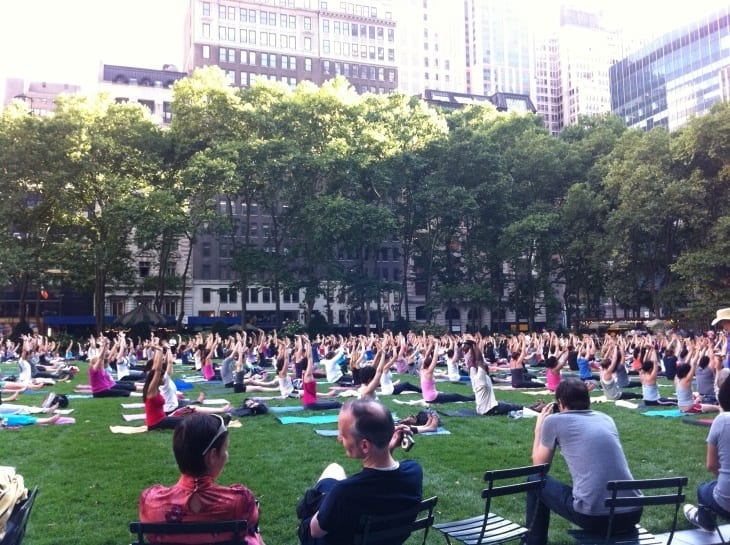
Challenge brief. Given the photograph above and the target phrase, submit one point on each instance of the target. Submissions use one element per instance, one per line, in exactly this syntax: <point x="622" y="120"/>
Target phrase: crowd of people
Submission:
<point x="622" y="367"/>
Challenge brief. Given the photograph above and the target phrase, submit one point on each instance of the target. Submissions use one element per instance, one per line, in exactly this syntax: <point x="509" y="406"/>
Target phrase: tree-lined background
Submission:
<point x="604" y="212"/>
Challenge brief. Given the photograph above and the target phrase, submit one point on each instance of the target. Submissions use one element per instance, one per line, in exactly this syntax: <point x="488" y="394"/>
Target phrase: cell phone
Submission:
<point x="556" y="408"/>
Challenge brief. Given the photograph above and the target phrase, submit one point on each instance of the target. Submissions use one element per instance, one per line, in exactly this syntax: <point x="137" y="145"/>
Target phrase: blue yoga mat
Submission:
<point x="288" y="409"/>
<point x="318" y="419"/>
<point x="667" y="413"/>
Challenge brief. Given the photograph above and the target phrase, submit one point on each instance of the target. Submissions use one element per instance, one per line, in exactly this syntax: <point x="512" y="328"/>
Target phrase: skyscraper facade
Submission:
<point x="294" y="40"/>
<point x="499" y="47"/>
<point x="678" y="76"/>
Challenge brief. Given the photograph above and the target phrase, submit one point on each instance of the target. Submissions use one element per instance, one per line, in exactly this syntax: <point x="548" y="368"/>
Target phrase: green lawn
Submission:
<point x="90" y="479"/>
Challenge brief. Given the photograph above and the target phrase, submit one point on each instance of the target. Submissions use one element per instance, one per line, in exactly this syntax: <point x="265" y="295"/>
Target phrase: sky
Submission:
<point x="65" y="41"/>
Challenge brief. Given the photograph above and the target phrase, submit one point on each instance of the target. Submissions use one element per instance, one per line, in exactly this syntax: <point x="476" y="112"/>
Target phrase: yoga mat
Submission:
<point x="81" y="396"/>
<point x="132" y="417"/>
<point x="132" y="405"/>
<point x="318" y="419"/>
<point x="460" y="412"/>
<point x="671" y="413"/>
<point x="182" y="384"/>
<point x="416" y="402"/>
<point x="290" y="409"/>
<point x="127" y="430"/>
<point x="333" y="433"/>
<point x="698" y="421"/>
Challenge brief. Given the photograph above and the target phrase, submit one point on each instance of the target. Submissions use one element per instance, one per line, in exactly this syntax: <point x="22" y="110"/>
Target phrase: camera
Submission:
<point x="556" y="408"/>
<point x="407" y="442"/>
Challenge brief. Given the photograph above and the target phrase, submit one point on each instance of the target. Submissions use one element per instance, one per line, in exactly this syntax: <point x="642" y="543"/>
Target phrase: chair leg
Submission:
<point x="722" y="538"/>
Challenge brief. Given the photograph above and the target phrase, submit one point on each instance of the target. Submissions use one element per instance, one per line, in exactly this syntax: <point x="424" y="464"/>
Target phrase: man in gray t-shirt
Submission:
<point x="590" y="444"/>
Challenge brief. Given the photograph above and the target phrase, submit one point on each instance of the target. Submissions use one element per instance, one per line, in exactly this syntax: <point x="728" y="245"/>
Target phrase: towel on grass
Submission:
<point x="333" y="433"/>
<point x="132" y="417"/>
<point x="128" y="430"/>
<point x="666" y="413"/>
<point x="205" y="402"/>
<point x="416" y="402"/>
<point x="317" y="419"/>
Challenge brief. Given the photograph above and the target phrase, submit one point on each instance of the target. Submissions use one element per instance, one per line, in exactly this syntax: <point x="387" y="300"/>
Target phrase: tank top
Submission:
<point x="610" y="388"/>
<point x="553" y="379"/>
<point x="650" y="392"/>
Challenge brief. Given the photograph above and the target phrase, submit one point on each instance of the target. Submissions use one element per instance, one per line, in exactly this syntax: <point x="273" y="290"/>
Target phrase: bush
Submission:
<point x="290" y="329"/>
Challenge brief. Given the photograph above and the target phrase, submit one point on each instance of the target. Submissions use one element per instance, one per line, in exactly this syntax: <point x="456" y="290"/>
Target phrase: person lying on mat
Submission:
<point x="331" y="511"/>
<point x="200" y="444"/>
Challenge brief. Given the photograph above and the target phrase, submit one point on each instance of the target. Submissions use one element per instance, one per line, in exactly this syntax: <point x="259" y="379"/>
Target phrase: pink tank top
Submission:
<point x="428" y="388"/>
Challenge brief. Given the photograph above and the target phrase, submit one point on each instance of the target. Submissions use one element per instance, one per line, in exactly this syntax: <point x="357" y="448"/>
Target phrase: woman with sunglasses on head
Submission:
<point x="200" y="444"/>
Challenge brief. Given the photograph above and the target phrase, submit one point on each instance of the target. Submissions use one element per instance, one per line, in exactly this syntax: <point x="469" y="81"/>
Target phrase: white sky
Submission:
<point x="67" y="40"/>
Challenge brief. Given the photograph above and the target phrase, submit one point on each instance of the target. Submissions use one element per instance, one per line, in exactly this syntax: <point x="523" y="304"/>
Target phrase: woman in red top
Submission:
<point x="200" y="444"/>
<point x="154" y="403"/>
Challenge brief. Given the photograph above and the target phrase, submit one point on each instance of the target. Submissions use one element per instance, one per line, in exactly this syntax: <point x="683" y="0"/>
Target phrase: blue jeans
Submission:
<point x="558" y="497"/>
<point x="708" y="507"/>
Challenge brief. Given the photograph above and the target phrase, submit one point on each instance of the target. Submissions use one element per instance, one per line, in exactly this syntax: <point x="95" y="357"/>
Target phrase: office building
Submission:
<point x="293" y="41"/>
<point x="149" y="87"/>
<point x="572" y="62"/>
<point x="676" y="77"/>
<point x="39" y="96"/>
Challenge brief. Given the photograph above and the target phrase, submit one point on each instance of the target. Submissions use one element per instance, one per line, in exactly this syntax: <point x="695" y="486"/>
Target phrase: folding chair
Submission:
<point x="395" y="528"/>
<point x="490" y="528"/>
<point x="667" y="491"/>
<point x="236" y="527"/>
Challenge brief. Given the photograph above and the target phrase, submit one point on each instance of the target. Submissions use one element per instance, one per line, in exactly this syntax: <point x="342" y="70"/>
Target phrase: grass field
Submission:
<point x="90" y="479"/>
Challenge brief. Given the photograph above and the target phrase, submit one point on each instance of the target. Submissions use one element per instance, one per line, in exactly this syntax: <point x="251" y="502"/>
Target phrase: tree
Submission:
<point x="111" y="152"/>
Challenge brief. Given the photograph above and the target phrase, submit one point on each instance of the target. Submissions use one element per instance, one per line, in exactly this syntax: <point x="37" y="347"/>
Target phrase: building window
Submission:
<point x="307" y="43"/>
<point x="252" y="295"/>
<point x="291" y="296"/>
<point x="206" y="52"/>
<point x="266" y="295"/>
<point x="206" y="30"/>
<point x="169" y="307"/>
<point x="117" y="306"/>
<point x="144" y="269"/>
<point x="325" y="46"/>
<point x="325" y="25"/>
<point x="206" y="271"/>
<point x="167" y="112"/>
<point x="244" y="15"/>
<point x="223" y="295"/>
<point x="232" y="295"/>
<point x="206" y="9"/>
<point x="206" y="295"/>
<point x="342" y="317"/>
<point x="221" y="12"/>
<point x="264" y="58"/>
<point x="206" y="249"/>
<point x="231" y="13"/>
<point x="307" y="64"/>
<point x="307" y="23"/>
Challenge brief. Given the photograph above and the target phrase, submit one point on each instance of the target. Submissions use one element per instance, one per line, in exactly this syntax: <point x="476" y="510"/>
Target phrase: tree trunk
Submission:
<point x="184" y="286"/>
<point x="99" y="298"/>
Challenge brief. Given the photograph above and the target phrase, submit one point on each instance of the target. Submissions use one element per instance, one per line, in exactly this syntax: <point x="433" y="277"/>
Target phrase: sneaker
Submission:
<point x="692" y="514"/>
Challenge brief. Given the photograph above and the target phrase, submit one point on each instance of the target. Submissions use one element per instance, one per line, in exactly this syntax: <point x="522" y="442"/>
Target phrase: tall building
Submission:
<point x="499" y="47"/>
<point x="430" y="45"/>
<point x="294" y="40"/>
<point x="677" y="76"/>
<point x="149" y="87"/>
<point x="572" y="61"/>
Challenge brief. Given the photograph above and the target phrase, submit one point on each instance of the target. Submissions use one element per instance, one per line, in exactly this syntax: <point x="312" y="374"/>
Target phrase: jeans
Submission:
<point x="708" y="507"/>
<point x="558" y="497"/>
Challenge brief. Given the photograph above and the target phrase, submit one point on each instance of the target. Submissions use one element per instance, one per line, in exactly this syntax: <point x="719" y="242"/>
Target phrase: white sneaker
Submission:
<point x="692" y="514"/>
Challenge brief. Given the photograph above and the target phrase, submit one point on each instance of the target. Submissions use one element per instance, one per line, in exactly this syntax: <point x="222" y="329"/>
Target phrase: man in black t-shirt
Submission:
<point x="366" y="431"/>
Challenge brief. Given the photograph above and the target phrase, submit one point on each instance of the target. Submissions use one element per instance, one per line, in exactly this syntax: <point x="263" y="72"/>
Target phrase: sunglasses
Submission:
<point x="221" y="430"/>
